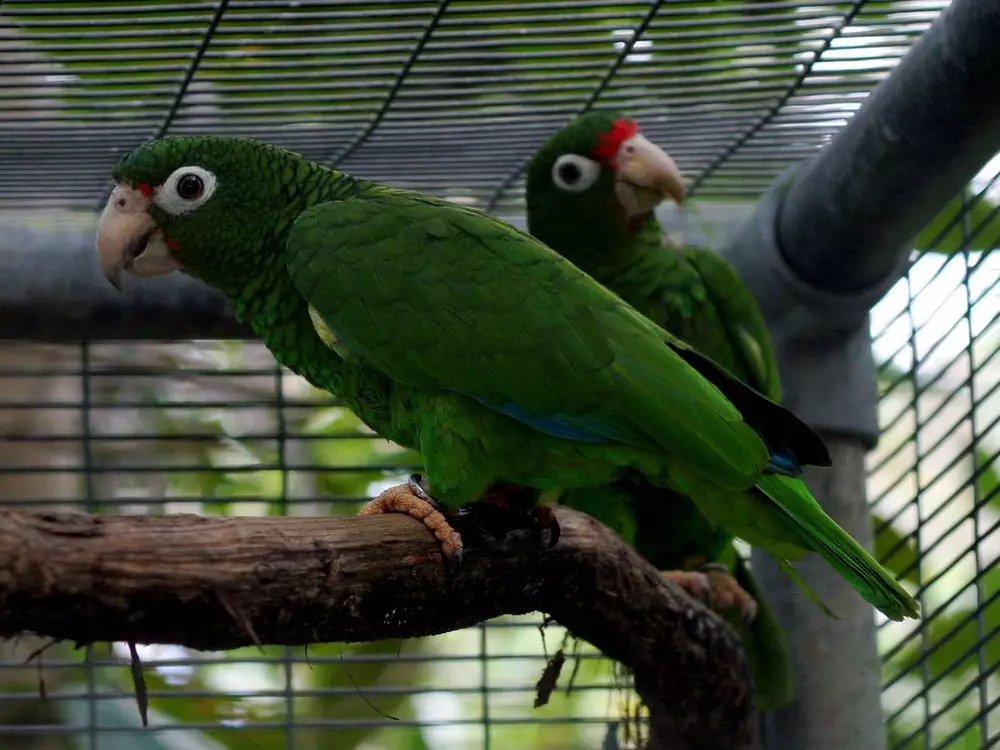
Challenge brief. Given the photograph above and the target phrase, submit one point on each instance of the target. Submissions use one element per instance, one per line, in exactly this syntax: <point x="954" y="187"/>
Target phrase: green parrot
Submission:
<point x="511" y="371"/>
<point x="591" y="193"/>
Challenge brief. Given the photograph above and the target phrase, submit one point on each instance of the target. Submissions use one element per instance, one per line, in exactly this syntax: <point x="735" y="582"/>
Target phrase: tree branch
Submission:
<point x="218" y="583"/>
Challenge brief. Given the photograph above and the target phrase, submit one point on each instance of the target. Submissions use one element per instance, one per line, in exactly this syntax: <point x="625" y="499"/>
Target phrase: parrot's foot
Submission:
<point x="413" y="500"/>
<point x="727" y="594"/>
<point x="509" y="507"/>
<point x="693" y="582"/>
<point x="714" y="585"/>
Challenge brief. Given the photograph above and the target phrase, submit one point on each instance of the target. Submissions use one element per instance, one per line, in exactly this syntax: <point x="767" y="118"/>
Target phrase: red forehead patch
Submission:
<point x="145" y="189"/>
<point x="609" y="141"/>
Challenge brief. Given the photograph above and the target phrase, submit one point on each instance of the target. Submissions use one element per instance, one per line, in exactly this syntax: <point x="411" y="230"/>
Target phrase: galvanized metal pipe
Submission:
<point x="844" y="222"/>
<point x="52" y="290"/>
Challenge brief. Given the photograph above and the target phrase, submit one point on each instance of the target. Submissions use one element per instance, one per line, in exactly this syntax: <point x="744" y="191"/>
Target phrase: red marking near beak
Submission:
<point x="611" y="141"/>
<point x="172" y="244"/>
<point x="145" y="189"/>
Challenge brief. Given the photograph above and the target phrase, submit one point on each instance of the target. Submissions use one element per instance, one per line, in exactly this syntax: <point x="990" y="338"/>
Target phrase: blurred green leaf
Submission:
<point x="988" y="481"/>
<point x="952" y="639"/>
<point x="413" y="740"/>
<point x="896" y="552"/>
<point x="347" y="455"/>
<point x="946" y="230"/>
<point x="122" y="712"/>
<point x="351" y="686"/>
<point x="908" y="737"/>
<point x="889" y="377"/>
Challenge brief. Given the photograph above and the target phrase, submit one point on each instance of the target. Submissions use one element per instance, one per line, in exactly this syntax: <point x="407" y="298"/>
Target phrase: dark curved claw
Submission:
<point x="418" y="486"/>
<point x="554" y="531"/>
<point x="545" y="520"/>
<point x="457" y="561"/>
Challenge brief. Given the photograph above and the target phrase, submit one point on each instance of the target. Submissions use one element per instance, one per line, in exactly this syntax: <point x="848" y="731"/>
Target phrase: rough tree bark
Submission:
<point x="218" y="583"/>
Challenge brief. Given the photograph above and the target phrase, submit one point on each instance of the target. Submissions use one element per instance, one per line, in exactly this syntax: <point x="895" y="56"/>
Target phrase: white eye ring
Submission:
<point x="574" y="173"/>
<point x="185" y="189"/>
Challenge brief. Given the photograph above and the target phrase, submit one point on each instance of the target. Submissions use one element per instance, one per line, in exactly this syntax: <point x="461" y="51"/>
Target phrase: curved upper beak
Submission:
<point x="128" y="238"/>
<point x="645" y="175"/>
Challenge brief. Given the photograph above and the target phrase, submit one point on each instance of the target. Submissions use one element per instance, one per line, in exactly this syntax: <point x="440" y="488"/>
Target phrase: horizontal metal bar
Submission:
<point x="301" y="724"/>
<point x="53" y="291"/>
<point x="587" y="653"/>
<point x="332" y="692"/>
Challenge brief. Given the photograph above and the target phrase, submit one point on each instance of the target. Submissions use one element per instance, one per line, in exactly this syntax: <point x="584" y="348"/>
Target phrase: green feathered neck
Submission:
<point x="601" y="241"/>
<point x="249" y="266"/>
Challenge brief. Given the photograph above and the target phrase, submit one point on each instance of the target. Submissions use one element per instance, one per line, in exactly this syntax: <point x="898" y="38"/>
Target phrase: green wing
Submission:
<point x="745" y="327"/>
<point x="446" y="299"/>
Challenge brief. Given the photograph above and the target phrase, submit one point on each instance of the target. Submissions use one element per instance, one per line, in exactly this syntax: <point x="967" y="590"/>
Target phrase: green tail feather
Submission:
<point x="875" y="584"/>
<point x="765" y="646"/>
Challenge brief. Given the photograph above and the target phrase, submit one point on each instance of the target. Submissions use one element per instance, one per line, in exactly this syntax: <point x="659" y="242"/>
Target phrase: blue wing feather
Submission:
<point x="784" y="462"/>
<point x="557" y="425"/>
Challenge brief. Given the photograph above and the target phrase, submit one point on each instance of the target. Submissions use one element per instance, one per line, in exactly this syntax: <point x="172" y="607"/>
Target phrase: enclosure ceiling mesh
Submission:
<point x="453" y="98"/>
<point x="446" y="97"/>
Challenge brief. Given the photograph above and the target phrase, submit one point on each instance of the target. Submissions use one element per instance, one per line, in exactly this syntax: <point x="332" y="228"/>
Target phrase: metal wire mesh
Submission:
<point x="447" y="97"/>
<point x="934" y="489"/>
<point x="216" y="429"/>
<point x="452" y="98"/>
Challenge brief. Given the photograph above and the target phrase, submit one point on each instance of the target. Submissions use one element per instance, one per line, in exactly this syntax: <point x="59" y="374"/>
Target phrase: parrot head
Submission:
<point x="595" y="182"/>
<point x="206" y="205"/>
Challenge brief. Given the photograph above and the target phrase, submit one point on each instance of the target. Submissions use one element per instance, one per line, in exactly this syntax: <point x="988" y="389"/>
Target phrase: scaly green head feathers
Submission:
<point x="216" y="206"/>
<point x="593" y="186"/>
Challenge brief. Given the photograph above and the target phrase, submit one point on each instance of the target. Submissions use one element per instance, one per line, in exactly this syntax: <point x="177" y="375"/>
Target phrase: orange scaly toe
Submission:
<point x="412" y="500"/>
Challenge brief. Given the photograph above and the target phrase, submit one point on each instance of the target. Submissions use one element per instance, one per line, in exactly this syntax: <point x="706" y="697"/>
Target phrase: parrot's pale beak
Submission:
<point x="645" y="175"/>
<point x="128" y="239"/>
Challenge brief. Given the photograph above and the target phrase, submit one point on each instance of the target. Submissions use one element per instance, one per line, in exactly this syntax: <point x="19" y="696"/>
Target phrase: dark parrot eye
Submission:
<point x="190" y="186"/>
<point x="570" y="172"/>
<point x="574" y="173"/>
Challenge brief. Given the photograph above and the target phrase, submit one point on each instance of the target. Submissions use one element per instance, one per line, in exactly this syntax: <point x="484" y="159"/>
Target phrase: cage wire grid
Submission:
<point x="452" y="98"/>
